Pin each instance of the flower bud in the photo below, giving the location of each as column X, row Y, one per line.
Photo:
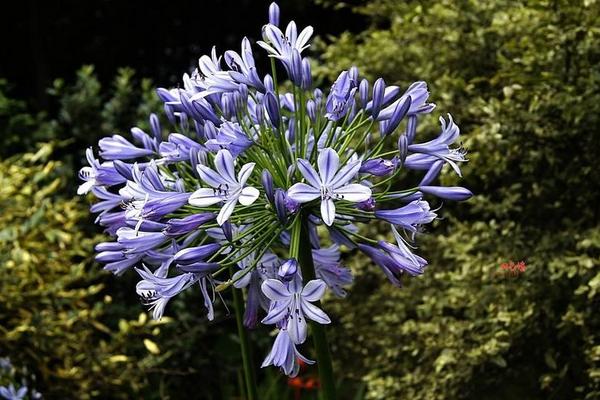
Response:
column 402, row 149
column 272, row 108
column 268, row 81
column 227, row 230
column 155, row 126
column 454, row 193
column 296, row 68
column 280, row 207
column 367, row 205
column 274, row 14
column 399, row 113
column 311, row 110
column 363, row 92
column 432, row 173
column 377, row 167
column 267, row 182
column 288, row 270
column 378, row 92
column 306, row 75
column 353, row 75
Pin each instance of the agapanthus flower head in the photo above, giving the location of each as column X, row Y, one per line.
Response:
column 220, row 203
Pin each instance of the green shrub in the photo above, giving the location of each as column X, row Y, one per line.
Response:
column 522, row 79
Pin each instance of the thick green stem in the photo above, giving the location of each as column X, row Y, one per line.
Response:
column 317, row 330
column 244, row 346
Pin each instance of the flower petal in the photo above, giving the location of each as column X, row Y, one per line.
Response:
column 204, row 197
column 303, row 193
column 248, row 195
column 245, row 172
column 309, row 173
column 209, row 176
column 296, row 326
column 224, row 165
column 314, row 290
column 328, row 162
column 328, row 211
column 277, row 312
column 354, row 192
column 345, row 174
column 226, row 211
column 315, row 313
column 275, row 290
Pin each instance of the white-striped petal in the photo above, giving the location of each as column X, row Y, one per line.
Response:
column 345, row 174
column 245, row 173
column 314, row 290
column 209, row 176
column 309, row 173
column 275, row 290
column 328, row 211
column 354, row 192
column 226, row 211
column 204, row 197
column 296, row 326
column 224, row 165
column 248, row 195
column 303, row 193
column 328, row 162
column 315, row 313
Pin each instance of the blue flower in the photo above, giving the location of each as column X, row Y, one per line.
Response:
column 284, row 354
column 156, row 290
column 438, row 149
column 331, row 183
column 341, row 97
column 292, row 303
column 226, row 187
column 409, row 217
column 11, row 393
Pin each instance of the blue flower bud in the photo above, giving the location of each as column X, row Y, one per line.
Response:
column 378, row 93
column 155, row 127
column 272, row 108
column 311, row 110
column 363, row 92
column 274, row 14
column 367, row 205
column 306, row 75
column 288, row 270
column 454, row 193
column 227, row 230
column 296, row 68
column 191, row 255
column 402, row 149
column 378, row 167
column 353, row 75
column 399, row 113
column 267, row 182
column 280, row 207
column 269, row 85
column 432, row 173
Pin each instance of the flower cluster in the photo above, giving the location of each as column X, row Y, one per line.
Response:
column 213, row 205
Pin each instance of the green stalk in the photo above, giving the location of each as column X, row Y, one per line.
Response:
column 301, row 245
column 244, row 346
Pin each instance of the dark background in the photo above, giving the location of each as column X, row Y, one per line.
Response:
column 44, row 40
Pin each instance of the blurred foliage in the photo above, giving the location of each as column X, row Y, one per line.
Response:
column 82, row 112
column 522, row 79
column 80, row 332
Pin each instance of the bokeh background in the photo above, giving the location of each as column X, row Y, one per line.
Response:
column 522, row 80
